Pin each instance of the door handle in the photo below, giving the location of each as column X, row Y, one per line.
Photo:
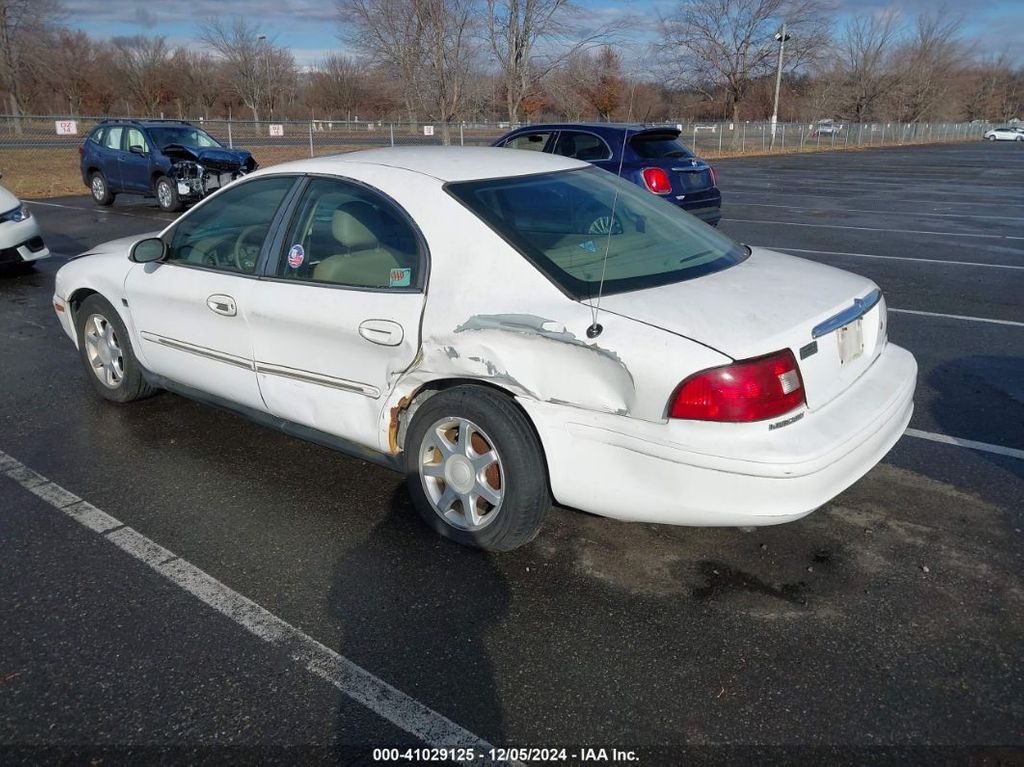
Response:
column 383, row 332
column 222, row 304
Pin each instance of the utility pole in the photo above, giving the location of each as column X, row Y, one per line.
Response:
column 782, row 37
column 266, row 58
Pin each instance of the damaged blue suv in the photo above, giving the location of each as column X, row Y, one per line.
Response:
column 174, row 161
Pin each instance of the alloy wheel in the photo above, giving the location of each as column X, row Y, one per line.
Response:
column 104, row 351
column 462, row 473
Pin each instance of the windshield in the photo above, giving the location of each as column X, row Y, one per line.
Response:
column 653, row 146
column 186, row 136
column 562, row 222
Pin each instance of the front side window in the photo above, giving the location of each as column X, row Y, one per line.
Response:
column 227, row 233
column 529, row 141
column 136, row 139
column 565, row 225
column 346, row 234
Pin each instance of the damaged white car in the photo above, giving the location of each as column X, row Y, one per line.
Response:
column 508, row 329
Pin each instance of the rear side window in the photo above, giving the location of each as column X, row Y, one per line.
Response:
column 582, row 146
column 346, row 234
column 655, row 146
column 97, row 135
column 530, row 141
column 564, row 224
column 112, row 138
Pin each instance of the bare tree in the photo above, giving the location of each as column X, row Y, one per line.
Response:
column 927, row 63
column 566, row 85
column 515, row 30
column 864, row 52
column 729, row 43
column 142, row 63
column 429, row 44
column 336, row 86
column 245, row 58
column 23, row 23
column 605, row 87
column 390, row 34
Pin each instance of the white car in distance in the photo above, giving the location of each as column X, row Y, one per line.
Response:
column 1005, row 133
column 20, row 240
column 508, row 329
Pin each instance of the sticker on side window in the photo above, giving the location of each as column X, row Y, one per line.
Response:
column 400, row 278
column 296, row 255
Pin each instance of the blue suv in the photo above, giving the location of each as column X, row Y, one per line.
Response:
column 650, row 156
column 174, row 161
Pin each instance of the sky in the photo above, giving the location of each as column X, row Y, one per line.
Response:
column 310, row 27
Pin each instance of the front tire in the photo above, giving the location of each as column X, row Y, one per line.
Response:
column 106, row 352
column 167, row 195
column 475, row 469
column 100, row 190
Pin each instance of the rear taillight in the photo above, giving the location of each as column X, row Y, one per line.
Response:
column 657, row 180
column 714, row 175
column 750, row 390
column 81, row 151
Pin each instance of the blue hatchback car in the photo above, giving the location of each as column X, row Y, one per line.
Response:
column 650, row 156
column 174, row 161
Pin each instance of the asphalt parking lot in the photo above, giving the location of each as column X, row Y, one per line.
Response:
column 894, row 616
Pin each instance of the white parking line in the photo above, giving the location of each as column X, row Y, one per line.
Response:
column 875, row 229
column 354, row 681
column 97, row 210
column 916, row 214
column 965, row 318
column 1012, row 452
column 821, row 195
column 891, row 258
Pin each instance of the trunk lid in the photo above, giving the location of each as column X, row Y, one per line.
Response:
column 771, row 302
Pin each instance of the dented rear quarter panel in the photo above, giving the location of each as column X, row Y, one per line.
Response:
column 491, row 316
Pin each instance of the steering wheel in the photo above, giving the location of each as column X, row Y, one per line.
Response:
column 245, row 255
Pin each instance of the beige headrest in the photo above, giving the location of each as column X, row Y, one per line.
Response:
column 351, row 232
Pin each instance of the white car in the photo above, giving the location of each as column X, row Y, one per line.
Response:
column 20, row 241
column 508, row 329
column 1005, row 134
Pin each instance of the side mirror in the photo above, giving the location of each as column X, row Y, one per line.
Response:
column 148, row 250
column 136, row 149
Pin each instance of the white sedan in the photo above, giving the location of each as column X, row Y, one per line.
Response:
column 20, row 241
column 1005, row 134
column 508, row 329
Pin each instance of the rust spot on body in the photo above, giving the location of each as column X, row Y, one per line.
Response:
column 393, row 423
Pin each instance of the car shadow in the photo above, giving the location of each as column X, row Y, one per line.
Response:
column 418, row 610
column 992, row 410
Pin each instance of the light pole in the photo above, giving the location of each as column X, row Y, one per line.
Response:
column 266, row 58
column 782, row 37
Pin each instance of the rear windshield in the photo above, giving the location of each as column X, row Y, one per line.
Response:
column 563, row 223
column 653, row 146
column 186, row 136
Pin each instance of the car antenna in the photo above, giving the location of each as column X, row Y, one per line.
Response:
column 596, row 328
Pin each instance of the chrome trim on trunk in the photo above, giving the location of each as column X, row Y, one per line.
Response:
column 861, row 306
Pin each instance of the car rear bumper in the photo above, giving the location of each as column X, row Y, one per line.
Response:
column 628, row 469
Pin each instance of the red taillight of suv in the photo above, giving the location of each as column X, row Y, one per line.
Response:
column 714, row 175
column 749, row 390
column 81, row 151
column 657, row 180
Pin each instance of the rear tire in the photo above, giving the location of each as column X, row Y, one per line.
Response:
column 106, row 353
column 100, row 189
column 167, row 195
column 473, row 443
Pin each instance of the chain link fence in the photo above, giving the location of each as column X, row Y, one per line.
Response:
column 39, row 154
